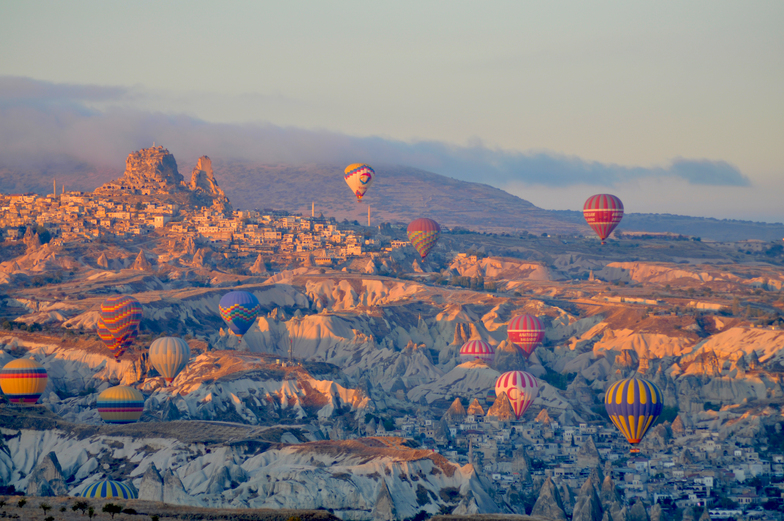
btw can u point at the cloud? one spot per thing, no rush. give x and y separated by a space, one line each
42 119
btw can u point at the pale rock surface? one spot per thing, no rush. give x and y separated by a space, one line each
102 261
141 263
501 410
151 486
587 507
638 512
47 478
587 454
549 505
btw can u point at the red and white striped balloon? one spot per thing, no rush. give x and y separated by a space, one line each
526 332
520 387
477 350
603 212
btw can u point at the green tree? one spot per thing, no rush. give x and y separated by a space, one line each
45 507
111 509
90 512
21 503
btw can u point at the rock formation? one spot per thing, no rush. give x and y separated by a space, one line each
46 479
384 509
588 507
204 185
151 488
147 171
173 490
456 412
501 410
638 512
656 512
549 505
476 409
608 494
259 267
102 261
678 429
543 417
587 455
141 263
521 463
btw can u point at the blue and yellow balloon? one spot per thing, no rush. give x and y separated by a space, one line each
108 489
169 356
633 405
120 404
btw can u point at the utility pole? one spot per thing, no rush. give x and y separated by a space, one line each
313 208
368 216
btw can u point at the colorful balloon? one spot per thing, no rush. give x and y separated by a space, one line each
169 356
359 177
477 350
120 316
423 234
603 212
239 309
108 489
633 405
526 332
23 380
120 404
520 387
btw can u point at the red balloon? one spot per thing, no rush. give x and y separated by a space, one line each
526 332
603 212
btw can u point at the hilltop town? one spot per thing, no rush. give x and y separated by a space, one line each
352 371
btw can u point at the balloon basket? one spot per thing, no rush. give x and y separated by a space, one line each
634 451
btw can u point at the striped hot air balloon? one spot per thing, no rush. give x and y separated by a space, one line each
120 404
477 350
108 489
520 387
526 332
121 317
633 405
423 234
359 177
169 356
603 212
23 380
239 309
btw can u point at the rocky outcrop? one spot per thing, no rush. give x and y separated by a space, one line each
384 508
587 455
173 490
656 512
47 480
204 186
102 261
456 412
588 507
543 417
549 505
608 494
501 410
521 463
638 512
678 429
476 409
259 267
141 263
147 171
151 487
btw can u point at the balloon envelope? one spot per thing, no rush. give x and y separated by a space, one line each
477 350
109 489
120 404
520 387
359 177
633 405
23 380
169 356
603 212
526 332
423 234
120 316
239 309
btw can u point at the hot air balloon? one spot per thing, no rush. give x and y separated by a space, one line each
120 404
169 356
121 317
603 212
108 489
477 350
359 177
526 332
23 380
520 387
239 309
633 405
423 234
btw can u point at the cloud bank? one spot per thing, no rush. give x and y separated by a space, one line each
41 120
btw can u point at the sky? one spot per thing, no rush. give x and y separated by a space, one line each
676 107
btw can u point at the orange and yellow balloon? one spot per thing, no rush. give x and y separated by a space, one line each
23 380
359 177
120 404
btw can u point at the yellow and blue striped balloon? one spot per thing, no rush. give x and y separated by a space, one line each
108 489
120 404
423 233
169 356
23 380
633 405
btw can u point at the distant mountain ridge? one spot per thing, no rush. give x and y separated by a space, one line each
398 194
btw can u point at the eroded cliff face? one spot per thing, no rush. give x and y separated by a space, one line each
149 170
204 185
